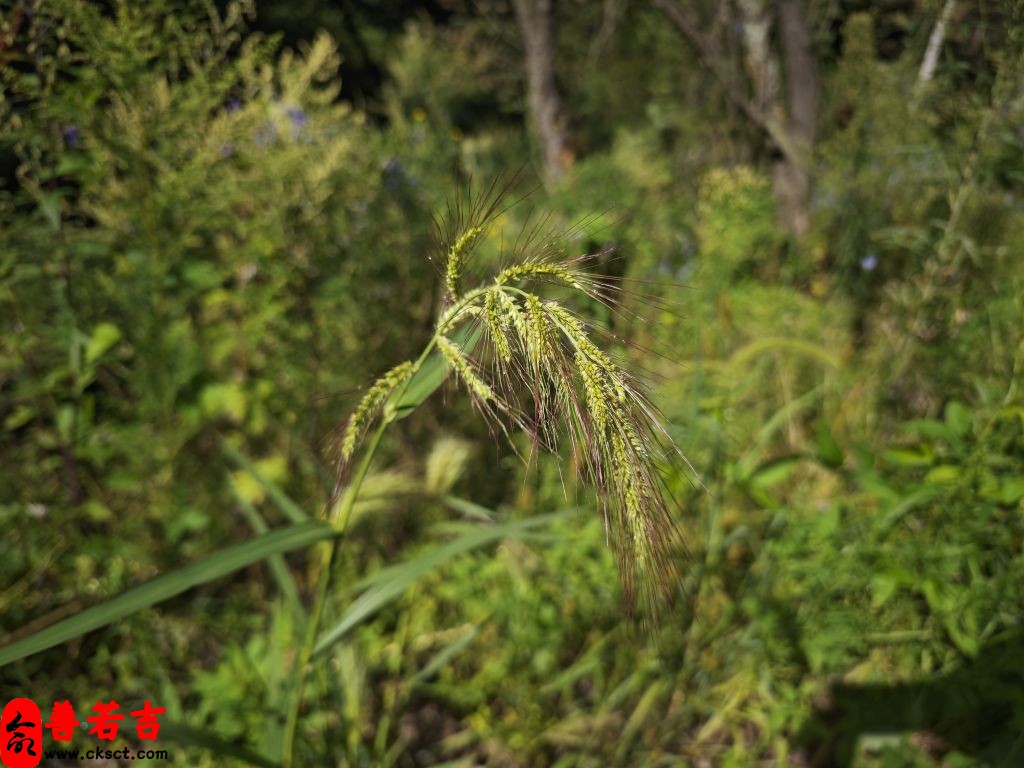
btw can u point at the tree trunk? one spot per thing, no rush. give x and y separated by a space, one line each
536 23
790 124
793 172
762 65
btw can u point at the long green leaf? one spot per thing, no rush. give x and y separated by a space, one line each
278 675
388 583
468 508
432 374
168 585
278 567
444 656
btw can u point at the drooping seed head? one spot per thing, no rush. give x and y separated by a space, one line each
496 325
538 271
539 337
543 353
370 404
463 368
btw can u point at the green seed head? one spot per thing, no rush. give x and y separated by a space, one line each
496 324
370 404
548 374
538 271
458 361
458 255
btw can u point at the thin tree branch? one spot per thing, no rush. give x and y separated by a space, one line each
931 55
776 131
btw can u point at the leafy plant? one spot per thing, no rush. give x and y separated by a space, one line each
540 350
545 349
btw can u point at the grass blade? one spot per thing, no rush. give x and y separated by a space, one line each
469 509
444 656
169 585
388 583
278 567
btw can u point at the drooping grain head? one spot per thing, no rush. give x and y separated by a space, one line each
539 367
464 369
371 402
463 229
578 391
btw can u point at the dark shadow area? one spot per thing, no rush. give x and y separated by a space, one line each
977 710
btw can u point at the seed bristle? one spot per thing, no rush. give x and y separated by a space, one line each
538 271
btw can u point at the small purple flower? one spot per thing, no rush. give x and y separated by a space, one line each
869 262
299 120
72 136
234 105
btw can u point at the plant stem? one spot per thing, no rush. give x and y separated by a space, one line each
339 519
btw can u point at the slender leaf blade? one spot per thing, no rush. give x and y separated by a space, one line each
169 585
388 583
445 655
278 567
468 508
431 375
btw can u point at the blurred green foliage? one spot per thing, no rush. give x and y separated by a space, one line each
202 245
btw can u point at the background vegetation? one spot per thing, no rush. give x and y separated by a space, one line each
216 230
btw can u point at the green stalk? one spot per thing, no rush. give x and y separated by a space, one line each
339 518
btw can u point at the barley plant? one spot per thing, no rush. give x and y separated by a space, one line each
532 363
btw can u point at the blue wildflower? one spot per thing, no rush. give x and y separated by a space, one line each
299 120
72 136
869 262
